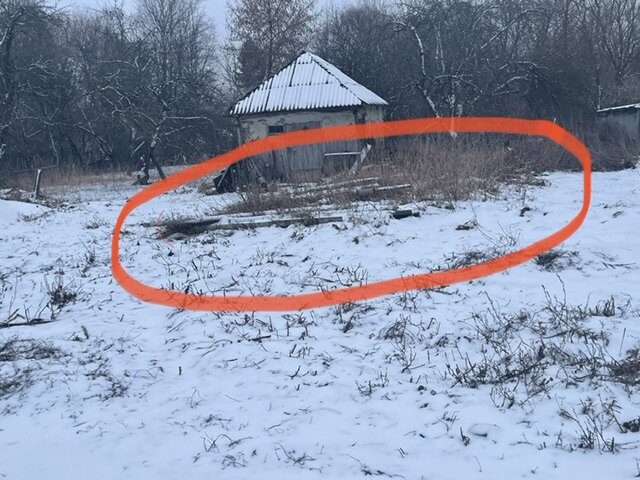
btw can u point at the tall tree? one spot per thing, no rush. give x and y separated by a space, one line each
178 50
32 79
265 35
615 27
361 41
464 52
149 83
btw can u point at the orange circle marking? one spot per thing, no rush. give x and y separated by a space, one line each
170 298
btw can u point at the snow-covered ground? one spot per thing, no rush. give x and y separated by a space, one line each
532 372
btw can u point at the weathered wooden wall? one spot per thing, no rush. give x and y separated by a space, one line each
307 160
627 122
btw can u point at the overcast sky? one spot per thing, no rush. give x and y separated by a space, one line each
215 8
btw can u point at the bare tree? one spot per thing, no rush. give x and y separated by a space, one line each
29 74
178 45
614 26
101 43
458 46
265 35
149 81
118 89
360 39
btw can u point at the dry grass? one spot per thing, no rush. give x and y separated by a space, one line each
447 169
74 176
63 177
438 169
610 151
433 169
437 166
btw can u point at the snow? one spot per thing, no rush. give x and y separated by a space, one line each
150 391
11 211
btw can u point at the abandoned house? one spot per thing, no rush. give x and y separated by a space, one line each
308 93
624 119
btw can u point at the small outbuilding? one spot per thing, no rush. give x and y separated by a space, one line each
308 93
625 119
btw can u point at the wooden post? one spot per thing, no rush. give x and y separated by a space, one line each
360 159
36 188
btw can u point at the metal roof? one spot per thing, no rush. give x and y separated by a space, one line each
309 82
619 109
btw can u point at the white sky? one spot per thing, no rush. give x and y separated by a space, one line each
215 8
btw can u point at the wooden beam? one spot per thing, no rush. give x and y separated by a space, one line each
400 214
192 227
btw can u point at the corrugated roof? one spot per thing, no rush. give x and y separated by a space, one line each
309 82
621 108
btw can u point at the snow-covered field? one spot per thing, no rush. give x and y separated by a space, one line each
529 373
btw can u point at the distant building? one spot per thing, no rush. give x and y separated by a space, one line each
307 93
625 119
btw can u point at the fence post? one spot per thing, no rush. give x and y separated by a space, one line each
36 188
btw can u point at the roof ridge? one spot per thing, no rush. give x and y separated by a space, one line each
315 58
293 72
